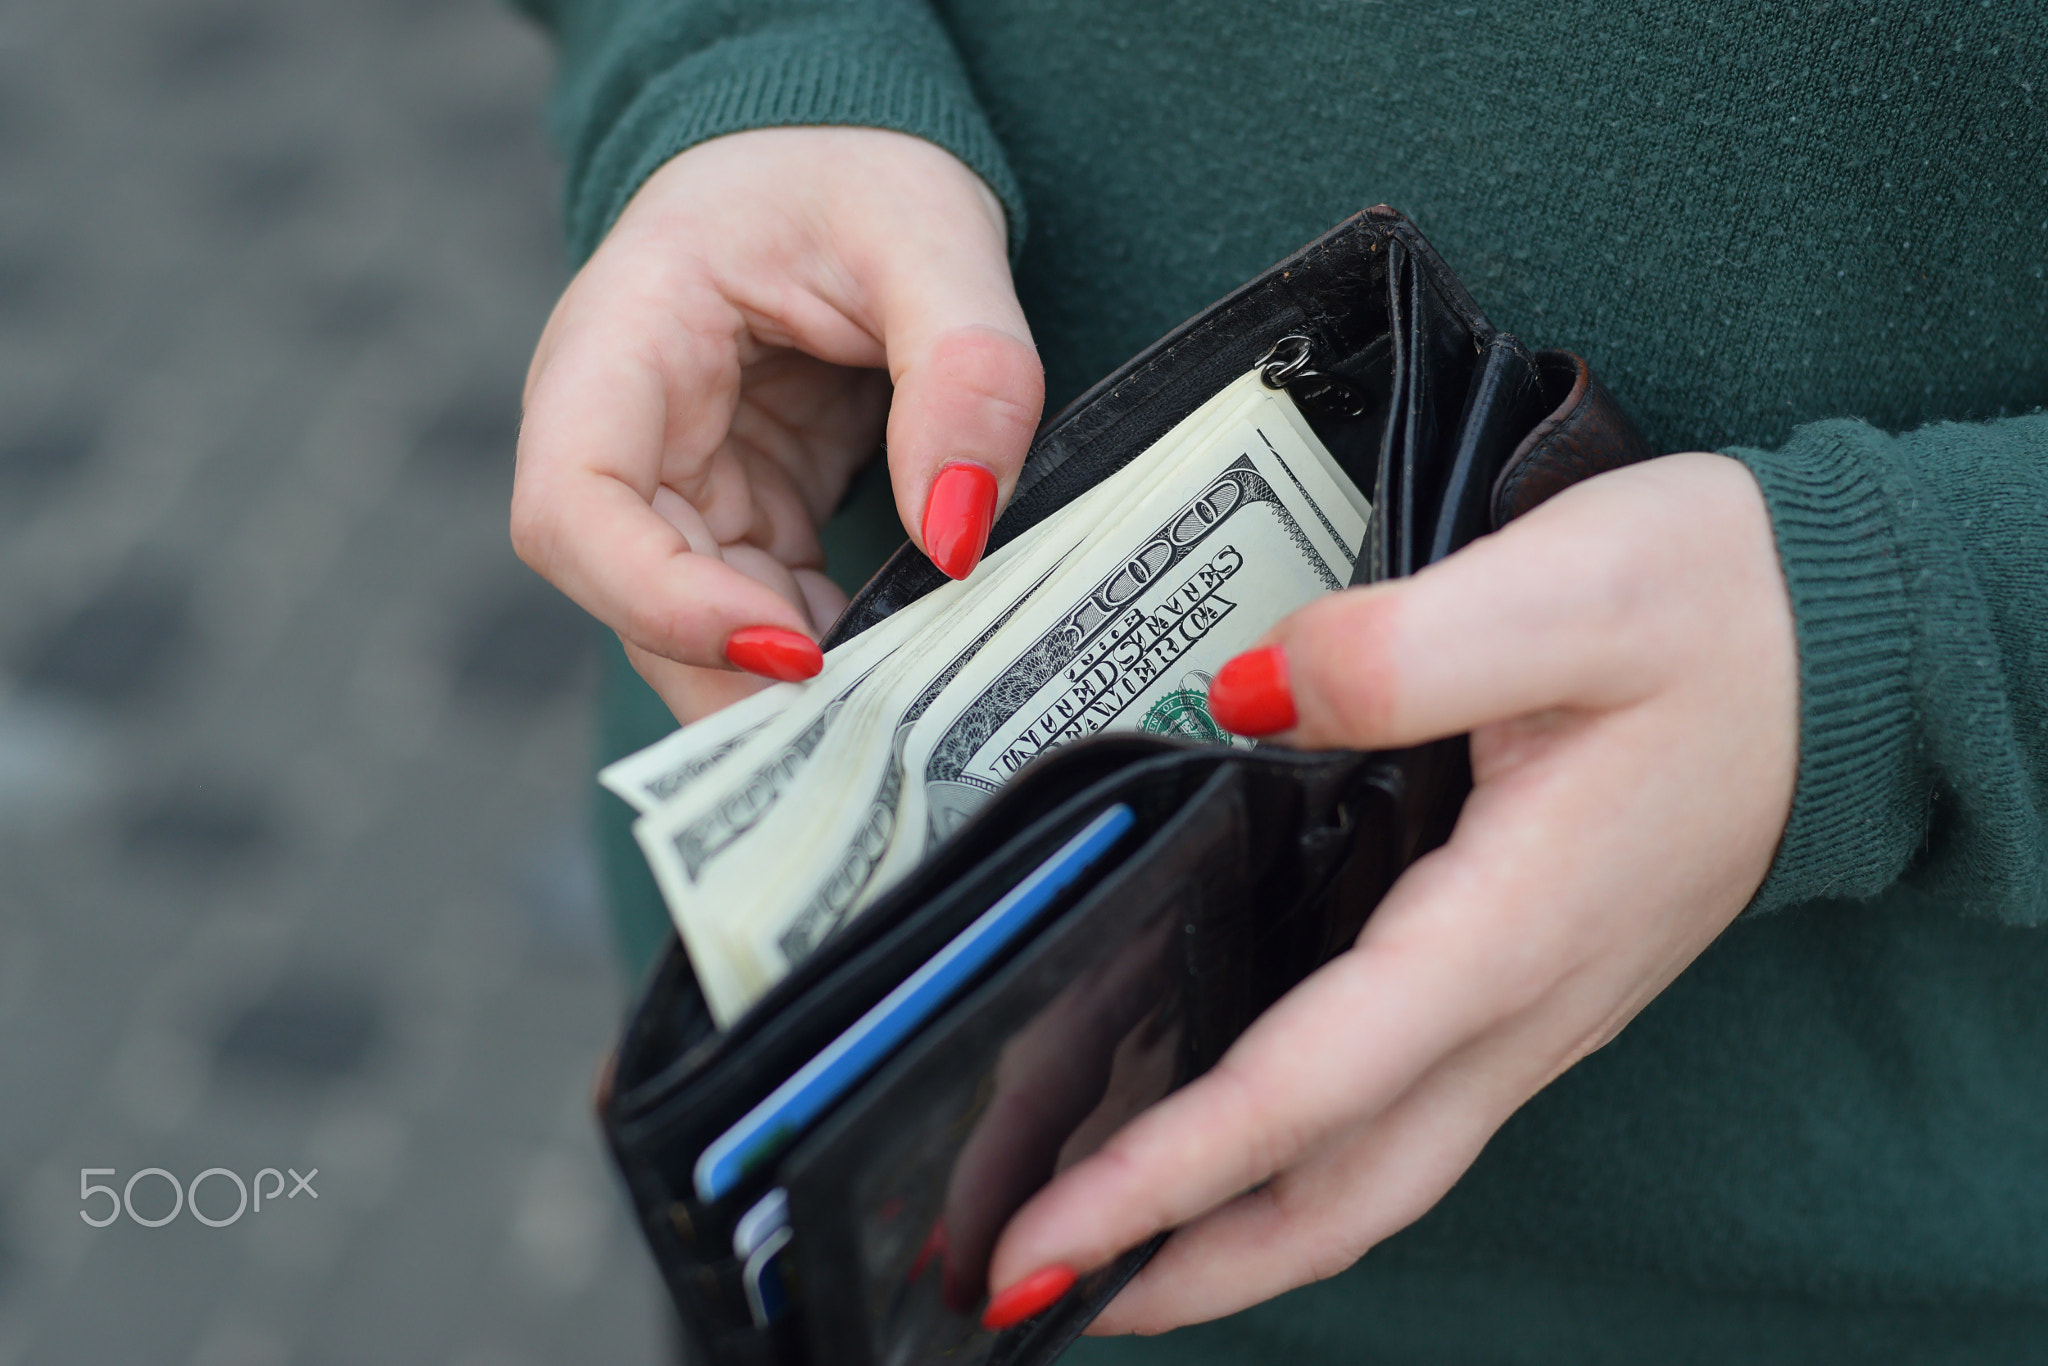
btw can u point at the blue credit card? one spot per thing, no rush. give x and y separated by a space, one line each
761 1277
815 1087
770 1213
757 1242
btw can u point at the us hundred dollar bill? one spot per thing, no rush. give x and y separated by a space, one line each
771 824
787 812
1200 570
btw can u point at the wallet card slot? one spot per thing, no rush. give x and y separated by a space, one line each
657 1128
1434 354
717 1279
897 1199
818 1085
1505 399
659 1131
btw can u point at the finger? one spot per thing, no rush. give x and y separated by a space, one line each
786 564
823 598
1566 607
758 565
969 389
782 521
1324 1213
805 588
679 513
1282 1089
1364 1184
1542 907
813 425
590 454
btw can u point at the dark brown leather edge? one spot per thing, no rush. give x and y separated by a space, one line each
1586 434
1449 288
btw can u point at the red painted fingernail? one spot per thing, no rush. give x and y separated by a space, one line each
957 517
1034 1294
772 652
1250 695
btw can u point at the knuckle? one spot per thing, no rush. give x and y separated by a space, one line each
1601 1033
1464 893
1330 1234
1613 582
1267 1142
1611 576
653 625
995 368
1154 1208
1520 984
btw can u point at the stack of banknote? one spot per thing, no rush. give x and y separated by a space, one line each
771 823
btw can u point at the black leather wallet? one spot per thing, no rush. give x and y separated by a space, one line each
864 1237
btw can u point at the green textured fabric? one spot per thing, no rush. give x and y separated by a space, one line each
1432 1314
1814 236
644 79
1918 566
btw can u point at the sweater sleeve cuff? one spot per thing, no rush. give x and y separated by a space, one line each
1832 512
775 78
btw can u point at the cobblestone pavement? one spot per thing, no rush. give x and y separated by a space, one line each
294 755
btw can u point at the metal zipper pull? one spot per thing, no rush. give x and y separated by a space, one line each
1289 365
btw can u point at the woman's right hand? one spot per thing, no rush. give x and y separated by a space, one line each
722 366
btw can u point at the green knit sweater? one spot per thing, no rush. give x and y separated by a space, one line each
1812 235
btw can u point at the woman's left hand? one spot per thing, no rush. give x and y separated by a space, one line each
1624 660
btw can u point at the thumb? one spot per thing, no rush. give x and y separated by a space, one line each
969 390
1552 611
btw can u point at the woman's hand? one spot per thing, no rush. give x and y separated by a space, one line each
723 365
1625 662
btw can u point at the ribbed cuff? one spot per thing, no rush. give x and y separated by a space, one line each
1853 819
768 80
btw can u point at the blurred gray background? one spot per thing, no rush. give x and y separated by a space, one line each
294 755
